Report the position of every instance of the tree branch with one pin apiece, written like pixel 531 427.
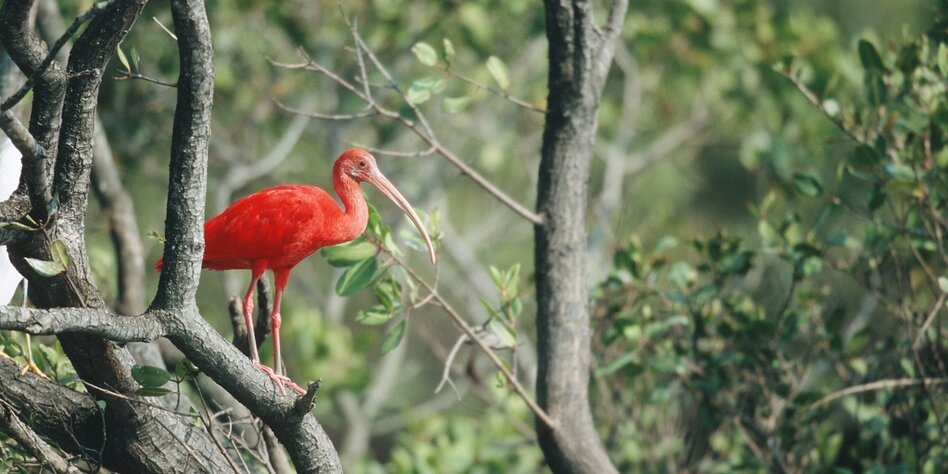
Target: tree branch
pixel 51 55
pixel 305 441
pixel 93 321
pixel 29 52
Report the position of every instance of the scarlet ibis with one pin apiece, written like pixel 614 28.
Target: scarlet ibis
pixel 276 228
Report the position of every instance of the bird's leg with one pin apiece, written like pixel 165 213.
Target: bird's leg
pixel 281 277
pixel 248 317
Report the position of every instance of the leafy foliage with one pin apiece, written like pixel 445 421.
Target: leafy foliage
pixel 816 343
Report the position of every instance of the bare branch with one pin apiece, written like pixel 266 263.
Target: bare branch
pixel 51 55
pixel 877 385
pixel 94 321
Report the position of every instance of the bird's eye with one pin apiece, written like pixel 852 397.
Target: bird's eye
pixel 362 164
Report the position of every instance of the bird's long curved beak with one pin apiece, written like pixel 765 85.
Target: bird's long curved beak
pixel 378 180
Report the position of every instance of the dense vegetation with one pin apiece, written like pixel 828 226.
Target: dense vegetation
pixel 766 250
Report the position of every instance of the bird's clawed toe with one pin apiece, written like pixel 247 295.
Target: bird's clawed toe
pixel 281 381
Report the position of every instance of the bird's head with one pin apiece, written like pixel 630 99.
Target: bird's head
pixel 360 165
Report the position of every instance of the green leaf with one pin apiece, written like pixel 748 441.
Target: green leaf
pixel 18 226
pixel 871 61
pixel 346 255
pixel 101 404
pixel 123 59
pixel 616 364
pixel 59 253
pixel 807 185
pixel 45 267
pixel 152 391
pixel 943 284
pixel 865 155
pixel 356 277
pixel 150 377
pixel 422 89
pixel 417 96
pixel 506 336
pixel 388 292
pixel 425 53
pixel 156 236
pixel 453 105
pixel 448 50
pixel 394 337
pixel 682 275
pixel 374 316
pixel 498 70
pixel 185 369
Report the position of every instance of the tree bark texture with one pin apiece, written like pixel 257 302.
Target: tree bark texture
pixel 580 54
pixel 125 433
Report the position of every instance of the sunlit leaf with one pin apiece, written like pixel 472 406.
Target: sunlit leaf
pixel 348 254
pixel 453 105
pixel 357 277
pixel 417 96
pixel 59 253
pixel 185 369
pixel 374 316
pixel 45 267
pixel 393 338
pixel 425 53
pixel 506 336
pixel 123 59
pixel 807 185
pixel 498 70
pixel 448 50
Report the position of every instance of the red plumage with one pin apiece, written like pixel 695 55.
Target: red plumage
pixel 276 228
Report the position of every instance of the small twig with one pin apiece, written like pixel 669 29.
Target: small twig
pixel 877 385
pixel 423 132
pixel 51 56
pixel 813 99
pixel 317 115
pixel 396 153
pixel 470 332
pixel 135 75
pixel 446 374
pixel 928 320
pixel 500 93
pixel 305 403
pixel 163 27
pixel 209 426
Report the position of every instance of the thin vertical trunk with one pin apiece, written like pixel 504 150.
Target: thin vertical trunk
pixel 580 55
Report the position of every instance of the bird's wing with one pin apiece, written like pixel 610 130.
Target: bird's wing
pixel 277 225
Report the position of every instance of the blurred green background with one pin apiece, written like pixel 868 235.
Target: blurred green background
pixel 722 309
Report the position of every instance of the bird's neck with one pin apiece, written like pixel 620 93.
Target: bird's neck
pixel 353 201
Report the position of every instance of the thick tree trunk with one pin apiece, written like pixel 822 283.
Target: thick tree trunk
pixel 580 55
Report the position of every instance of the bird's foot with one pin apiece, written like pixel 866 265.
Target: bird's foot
pixel 31 367
pixel 281 381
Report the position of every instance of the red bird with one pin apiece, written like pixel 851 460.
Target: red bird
pixel 276 228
